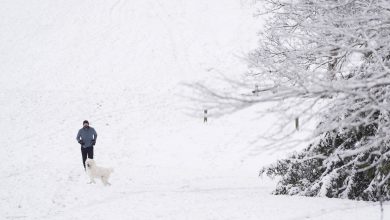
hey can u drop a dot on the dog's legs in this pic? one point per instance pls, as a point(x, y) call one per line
point(92, 180)
point(105, 181)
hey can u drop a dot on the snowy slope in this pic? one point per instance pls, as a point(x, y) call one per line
point(119, 64)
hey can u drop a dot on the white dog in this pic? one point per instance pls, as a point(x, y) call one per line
point(94, 171)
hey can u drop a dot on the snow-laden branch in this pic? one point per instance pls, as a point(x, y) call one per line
point(334, 58)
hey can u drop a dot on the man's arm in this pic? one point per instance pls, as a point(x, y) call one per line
point(94, 135)
point(78, 138)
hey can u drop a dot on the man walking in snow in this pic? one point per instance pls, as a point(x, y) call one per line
point(87, 138)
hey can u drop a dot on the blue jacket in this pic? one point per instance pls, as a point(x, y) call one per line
point(86, 135)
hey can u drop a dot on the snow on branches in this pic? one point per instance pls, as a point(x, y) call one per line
point(338, 51)
point(333, 54)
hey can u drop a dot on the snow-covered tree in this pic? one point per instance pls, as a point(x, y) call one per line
point(332, 56)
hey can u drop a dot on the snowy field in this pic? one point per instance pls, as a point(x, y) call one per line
point(120, 64)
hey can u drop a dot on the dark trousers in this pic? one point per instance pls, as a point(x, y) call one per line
point(86, 152)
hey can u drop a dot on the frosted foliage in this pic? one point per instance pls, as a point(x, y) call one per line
point(335, 53)
point(326, 60)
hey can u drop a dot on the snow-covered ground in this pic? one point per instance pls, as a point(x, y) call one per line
point(119, 64)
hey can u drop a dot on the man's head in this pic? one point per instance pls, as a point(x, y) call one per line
point(85, 124)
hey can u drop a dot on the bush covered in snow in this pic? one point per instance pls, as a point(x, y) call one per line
point(331, 168)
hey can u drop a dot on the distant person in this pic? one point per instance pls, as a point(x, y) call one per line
point(87, 138)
